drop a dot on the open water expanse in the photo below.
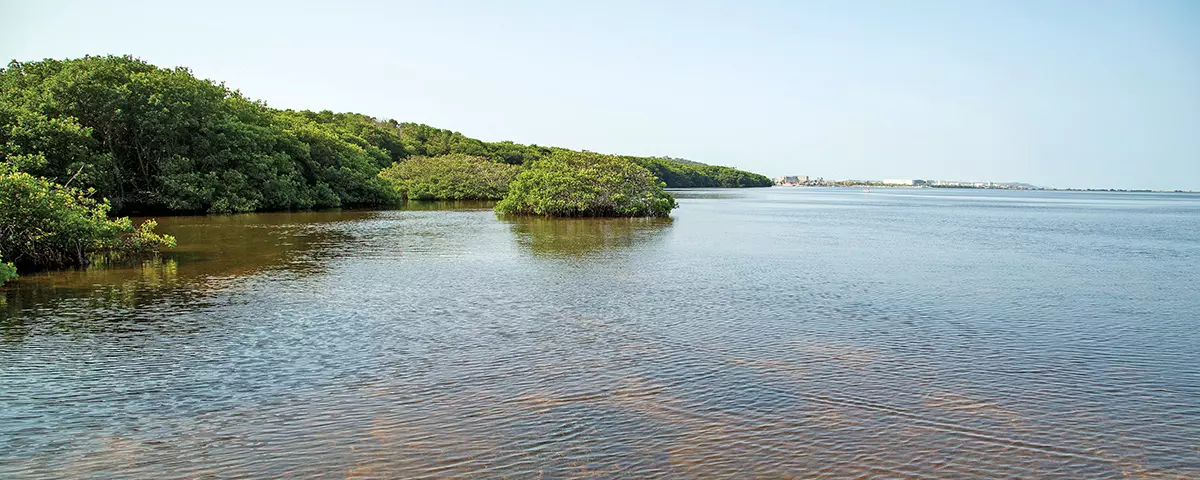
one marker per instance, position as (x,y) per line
(770,333)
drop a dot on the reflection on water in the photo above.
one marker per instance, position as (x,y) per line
(570,237)
(214,253)
(708,193)
(774,333)
(428,205)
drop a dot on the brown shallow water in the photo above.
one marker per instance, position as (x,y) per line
(758,333)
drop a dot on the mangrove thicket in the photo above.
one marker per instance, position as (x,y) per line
(585,184)
(106,135)
(453,176)
(46,225)
(153,139)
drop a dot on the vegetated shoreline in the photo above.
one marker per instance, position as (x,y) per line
(156,140)
(85,139)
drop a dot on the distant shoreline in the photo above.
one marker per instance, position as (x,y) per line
(968,187)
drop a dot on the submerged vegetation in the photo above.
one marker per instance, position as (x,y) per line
(584,184)
(86,137)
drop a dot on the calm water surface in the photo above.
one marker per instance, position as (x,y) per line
(758,333)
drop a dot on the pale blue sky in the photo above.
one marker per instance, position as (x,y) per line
(1057,93)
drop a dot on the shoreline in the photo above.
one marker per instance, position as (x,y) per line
(915,187)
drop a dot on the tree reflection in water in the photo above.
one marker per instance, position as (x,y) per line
(213,251)
(576,237)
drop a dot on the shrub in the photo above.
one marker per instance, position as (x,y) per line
(450,177)
(7,271)
(585,184)
(46,225)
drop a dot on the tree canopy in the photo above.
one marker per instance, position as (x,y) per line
(153,139)
(156,139)
(46,225)
(678,173)
(585,184)
(453,176)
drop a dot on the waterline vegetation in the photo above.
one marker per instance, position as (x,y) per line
(8,271)
(103,135)
(585,184)
(46,225)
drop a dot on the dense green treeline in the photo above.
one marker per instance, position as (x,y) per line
(684,174)
(450,177)
(153,139)
(425,140)
(677,173)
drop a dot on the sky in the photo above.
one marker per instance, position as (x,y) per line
(1081,94)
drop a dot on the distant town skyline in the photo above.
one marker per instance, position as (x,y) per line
(808,180)
(1082,94)
(897,181)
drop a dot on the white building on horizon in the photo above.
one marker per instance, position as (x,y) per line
(791,180)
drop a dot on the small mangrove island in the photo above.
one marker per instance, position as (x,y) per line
(575,184)
(83,140)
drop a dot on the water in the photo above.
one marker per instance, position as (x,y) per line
(758,333)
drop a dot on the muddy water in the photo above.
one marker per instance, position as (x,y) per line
(758,333)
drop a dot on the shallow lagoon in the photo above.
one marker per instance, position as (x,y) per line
(766,332)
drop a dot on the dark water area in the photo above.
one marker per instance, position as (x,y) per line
(769,333)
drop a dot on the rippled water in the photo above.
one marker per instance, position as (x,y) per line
(758,333)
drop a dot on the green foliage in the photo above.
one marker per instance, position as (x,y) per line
(160,139)
(678,173)
(585,184)
(58,149)
(429,141)
(149,138)
(46,225)
(367,132)
(450,177)
(7,271)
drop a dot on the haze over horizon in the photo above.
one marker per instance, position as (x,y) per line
(1062,94)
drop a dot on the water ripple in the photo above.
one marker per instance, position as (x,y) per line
(759,334)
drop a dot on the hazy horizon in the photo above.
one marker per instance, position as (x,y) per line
(1061,94)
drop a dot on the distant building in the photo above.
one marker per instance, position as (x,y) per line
(791,180)
(961,184)
(897,181)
